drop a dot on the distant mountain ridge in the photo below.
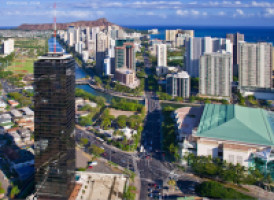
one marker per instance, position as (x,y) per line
(63,26)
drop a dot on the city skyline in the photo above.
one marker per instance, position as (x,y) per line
(182,12)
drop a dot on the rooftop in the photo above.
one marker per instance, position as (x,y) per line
(188,118)
(237,123)
(55,56)
(16,113)
(181,74)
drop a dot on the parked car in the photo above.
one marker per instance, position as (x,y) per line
(93,163)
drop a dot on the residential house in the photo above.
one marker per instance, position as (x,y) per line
(3,105)
(13,103)
(128,133)
(5,122)
(16,115)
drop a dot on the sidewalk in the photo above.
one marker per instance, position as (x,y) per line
(258,192)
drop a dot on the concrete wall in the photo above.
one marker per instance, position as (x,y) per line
(236,156)
(207,149)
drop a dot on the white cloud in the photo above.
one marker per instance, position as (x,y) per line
(182,12)
(239,12)
(269,12)
(221,13)
(69,14)
(191,13)
(261,4)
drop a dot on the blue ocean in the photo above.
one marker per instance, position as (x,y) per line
(252,34)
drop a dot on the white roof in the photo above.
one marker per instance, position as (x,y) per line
(181,74)
(27,110)
(16,113)
(2,103)
(50,57)
(6,115)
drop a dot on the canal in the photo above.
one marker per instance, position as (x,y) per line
(80,73)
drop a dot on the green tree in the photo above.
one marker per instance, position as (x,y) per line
(84,141)
(195,83)
(207,101)
(98,80)
(96,150)
(106,123)
(216,190)
(134,121)
(86,120)
(179,99)
(121,121)
(130,193)
(191,99)
(14,191)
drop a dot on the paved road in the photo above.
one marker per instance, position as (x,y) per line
(149,165)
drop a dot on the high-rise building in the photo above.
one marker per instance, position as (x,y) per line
(77,35)
(101,50)
(178,85)
(216,74)
(87,38)
(235,39)
(8,46)
(125,64)
(125,54)
(70,36)
(171,35)
(196,47)
(54,126)
(107,66)
(161,55)
(255,65)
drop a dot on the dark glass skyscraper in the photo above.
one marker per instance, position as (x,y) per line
(54,126)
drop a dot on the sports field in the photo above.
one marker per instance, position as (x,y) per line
(22,66)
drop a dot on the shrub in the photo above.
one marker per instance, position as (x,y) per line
(214,189)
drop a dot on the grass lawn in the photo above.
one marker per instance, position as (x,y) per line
(22,66)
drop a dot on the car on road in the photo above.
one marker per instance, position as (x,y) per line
(100,139)
(93,163)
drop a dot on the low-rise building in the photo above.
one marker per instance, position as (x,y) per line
(3,105)
(27,111)
(127,77)
(128,133)
(5,121)
(80,102)
(91,185)
(187,119)
(13,103)
(233,133)
(16,115)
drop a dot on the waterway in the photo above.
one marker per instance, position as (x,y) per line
(80,73)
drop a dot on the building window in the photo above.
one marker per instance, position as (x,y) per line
(240,159)
(231,158)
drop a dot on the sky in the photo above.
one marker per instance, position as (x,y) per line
(141,12)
